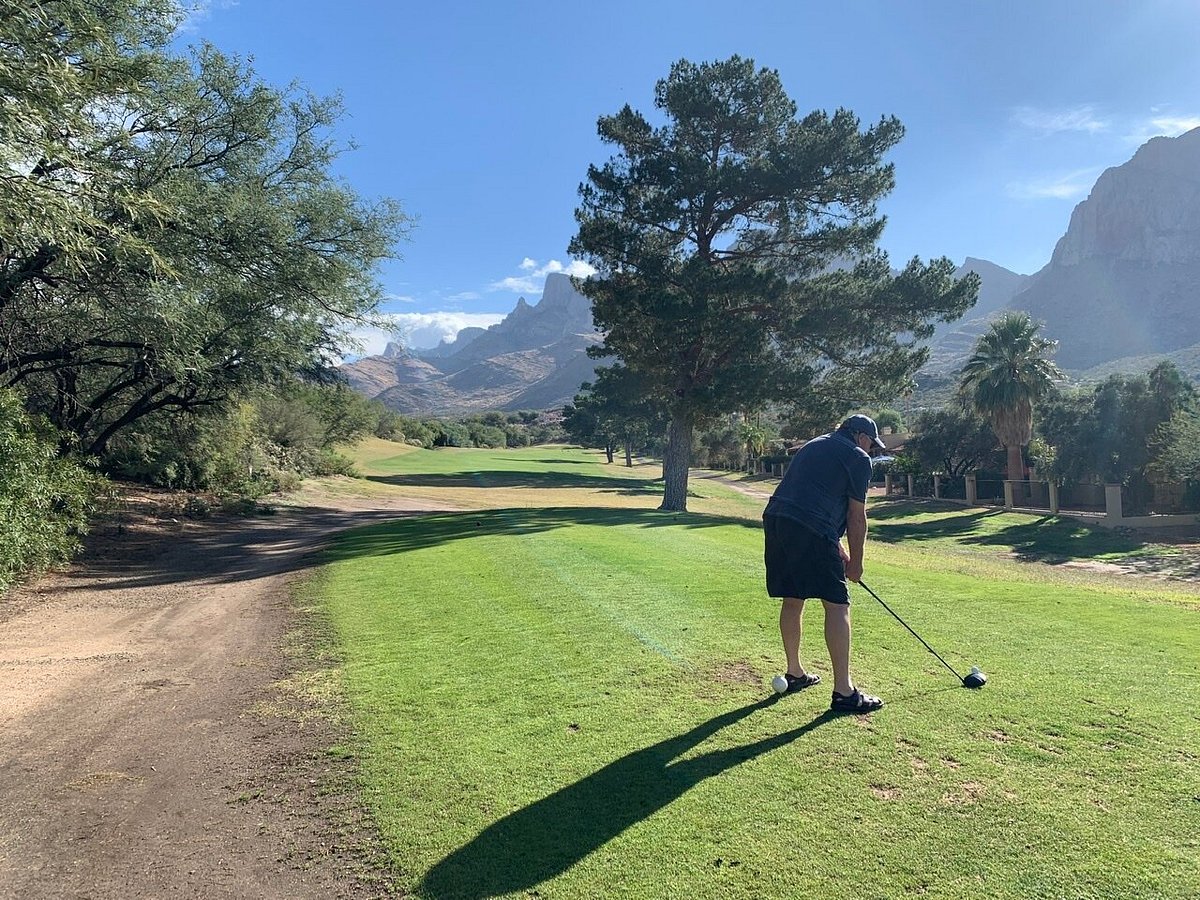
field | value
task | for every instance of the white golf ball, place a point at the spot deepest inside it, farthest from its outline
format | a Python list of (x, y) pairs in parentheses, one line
[(780, 684)]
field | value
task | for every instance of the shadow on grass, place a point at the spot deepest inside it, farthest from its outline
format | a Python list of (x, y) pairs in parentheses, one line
[(906, 509), (560, 461), (1048, 539), (434, 529), (543, 840), (499, 478), (1052, 540)]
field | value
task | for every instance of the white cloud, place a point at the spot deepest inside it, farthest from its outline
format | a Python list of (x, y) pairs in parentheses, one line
[(465, 295), (1086, 118), (192, 13), (419, 331), (399, 298), (517, 285), (1080, 118), (1068, 186), (1163, 125), (533, 281)]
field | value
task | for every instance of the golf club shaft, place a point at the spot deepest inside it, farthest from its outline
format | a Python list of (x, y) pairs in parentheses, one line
[(910, 631)]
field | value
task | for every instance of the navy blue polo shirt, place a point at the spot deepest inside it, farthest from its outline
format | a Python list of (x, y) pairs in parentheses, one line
[(824, 474)]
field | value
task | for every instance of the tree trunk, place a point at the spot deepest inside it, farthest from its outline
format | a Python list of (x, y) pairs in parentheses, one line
[(608, 451), (1016, 470), (676, 461), (628, 455)]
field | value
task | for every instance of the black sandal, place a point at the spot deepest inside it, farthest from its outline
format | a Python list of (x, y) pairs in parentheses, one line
[(858, 702), (800, 682)]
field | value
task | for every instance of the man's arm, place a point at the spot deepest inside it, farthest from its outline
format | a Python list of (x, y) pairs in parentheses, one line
[(856, 537)]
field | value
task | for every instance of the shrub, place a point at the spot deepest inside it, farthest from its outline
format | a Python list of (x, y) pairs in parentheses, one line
[(450, 434), (197, 507), (45, 498)]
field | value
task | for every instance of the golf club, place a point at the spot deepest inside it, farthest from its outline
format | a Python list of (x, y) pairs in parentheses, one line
[(975, 679)]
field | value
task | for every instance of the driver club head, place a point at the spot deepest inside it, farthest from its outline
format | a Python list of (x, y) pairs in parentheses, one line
[(975, 679)]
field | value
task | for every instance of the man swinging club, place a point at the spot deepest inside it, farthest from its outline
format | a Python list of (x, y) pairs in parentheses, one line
[(823, 495)]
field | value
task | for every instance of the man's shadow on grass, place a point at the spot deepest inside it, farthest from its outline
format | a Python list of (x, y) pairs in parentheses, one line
[(544, 839)]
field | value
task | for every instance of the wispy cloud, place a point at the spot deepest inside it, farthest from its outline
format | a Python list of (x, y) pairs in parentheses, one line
[(1163, 124), (1159, 122), (1054, 121), (419, 330), (1066, 186), (192, 13), (399, 298), (535, 275)]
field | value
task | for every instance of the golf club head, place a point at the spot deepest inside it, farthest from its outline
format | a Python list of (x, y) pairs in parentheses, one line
[(975, 679)]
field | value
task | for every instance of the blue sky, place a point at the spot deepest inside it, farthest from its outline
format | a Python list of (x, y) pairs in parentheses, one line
[(480, 117)]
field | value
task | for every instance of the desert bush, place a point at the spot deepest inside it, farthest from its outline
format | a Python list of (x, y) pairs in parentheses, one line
[(45, 497), (483, 435)]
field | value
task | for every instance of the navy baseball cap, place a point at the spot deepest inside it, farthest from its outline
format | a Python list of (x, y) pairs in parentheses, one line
[(866, 425)]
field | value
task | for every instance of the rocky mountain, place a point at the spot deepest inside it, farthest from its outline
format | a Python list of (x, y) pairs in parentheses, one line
[(534, 359), (1124, 280), (449, 348), (1122, 289)]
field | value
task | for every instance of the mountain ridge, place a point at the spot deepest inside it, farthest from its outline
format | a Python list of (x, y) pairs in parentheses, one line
[(534, 358)]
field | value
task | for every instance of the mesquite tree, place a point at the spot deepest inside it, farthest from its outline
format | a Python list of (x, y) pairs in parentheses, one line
[(171, 231), (735, 246)]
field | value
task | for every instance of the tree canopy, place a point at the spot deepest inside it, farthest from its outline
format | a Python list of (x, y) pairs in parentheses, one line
[(172, 230), (953, 441), (612, 410), (735, 246), (1123, 430)]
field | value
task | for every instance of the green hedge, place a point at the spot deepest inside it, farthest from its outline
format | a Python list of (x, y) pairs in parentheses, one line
[(45, 499)]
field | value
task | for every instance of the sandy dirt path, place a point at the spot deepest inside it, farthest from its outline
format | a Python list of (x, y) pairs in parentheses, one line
[(135, 757)]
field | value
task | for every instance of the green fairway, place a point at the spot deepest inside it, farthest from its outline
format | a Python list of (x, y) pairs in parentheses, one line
[(571, 699)]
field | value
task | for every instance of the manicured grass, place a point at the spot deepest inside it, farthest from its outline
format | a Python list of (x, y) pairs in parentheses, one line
[(571, 699), (532, 477)]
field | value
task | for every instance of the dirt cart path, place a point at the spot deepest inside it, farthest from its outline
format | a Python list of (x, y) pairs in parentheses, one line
[(134, 759)]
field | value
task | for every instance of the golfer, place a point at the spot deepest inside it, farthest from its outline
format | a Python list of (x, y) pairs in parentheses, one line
[(823, 496)]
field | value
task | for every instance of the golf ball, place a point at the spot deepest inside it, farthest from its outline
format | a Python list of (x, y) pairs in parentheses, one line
[(779, 683)]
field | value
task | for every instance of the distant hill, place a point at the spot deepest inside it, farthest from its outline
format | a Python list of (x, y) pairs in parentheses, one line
[(953, 342), (534, 359), (1186, 360)]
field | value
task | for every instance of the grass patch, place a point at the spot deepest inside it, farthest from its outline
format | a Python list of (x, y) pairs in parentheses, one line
[(951, 528), (570, 699), (531, 477)]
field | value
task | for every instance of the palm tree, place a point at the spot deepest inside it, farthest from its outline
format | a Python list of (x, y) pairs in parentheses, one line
[(1008, 371)]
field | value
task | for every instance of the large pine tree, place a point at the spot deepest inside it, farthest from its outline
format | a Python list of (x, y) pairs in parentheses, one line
[(715, 236)]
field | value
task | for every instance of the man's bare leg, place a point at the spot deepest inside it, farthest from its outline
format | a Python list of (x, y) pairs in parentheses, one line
[(837, 639), (791, 630)]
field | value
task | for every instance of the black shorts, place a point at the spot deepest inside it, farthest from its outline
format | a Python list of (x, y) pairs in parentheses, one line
[(801, 563)]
